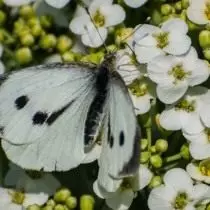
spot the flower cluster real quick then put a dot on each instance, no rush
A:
(162, 54)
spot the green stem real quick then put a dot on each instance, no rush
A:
(149, 137)
(173, 158)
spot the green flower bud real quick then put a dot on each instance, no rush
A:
(33, 21)
(183, 15)
(178, 6)
(60, 207)
(48, 208)
(156, 17)
(161, 145)
(122, 35)
(144, 144)
(3, 17)
(36, 30)
(87, 202)
(204, 39)
(26, 11)
(153, 149)
(166, 9)
(155, 182)
(51, 202)
(48, 41)
(185, 153)
(46, 21)
(27, 39)
(2, 35)
(61, 195)
(185, 4)
(206, 53)
(144, 157)
(111, 48)
(17, 197)
(23, 55)
(34, 207)
(68, 56)
(156, 161)
(71, 202)
(64, 43)
(208, 207)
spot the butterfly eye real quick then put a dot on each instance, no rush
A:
(21, 101)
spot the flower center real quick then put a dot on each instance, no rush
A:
(188, 106)
(181, 200)
(17, 197)
(162, 39)
(207, 10)
(204, 167)
(138, 89)
(98, 19)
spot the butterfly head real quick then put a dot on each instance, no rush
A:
(109, 61)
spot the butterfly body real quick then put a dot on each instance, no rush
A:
(50, 115)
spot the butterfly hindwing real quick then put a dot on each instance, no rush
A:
(43, 115)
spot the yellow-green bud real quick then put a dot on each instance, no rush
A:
(33, 21)
(26, 11)
(46, 21)
(144, 144)
(122, 35)
(71, 202)
(208, 207)
(61, 195)
(155, 182)
(34, 207)
(3, 17)
(48, 208)
(206, 53)
(36, 30)
(87, 202)
(144, 157)
(51, 202)
(153, 149)
(183, 15)
(64, 43)
(166, 9)
(156, 161)
(185, 4)
(68, 56)
(204, 39)
(27, 39)
(23, 55)
(185, 153)
(161, 145)
(48, 41)
(60, 207)
(178, 6)
(2, 35)
(156, 17)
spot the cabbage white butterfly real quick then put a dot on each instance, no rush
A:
(51, 114)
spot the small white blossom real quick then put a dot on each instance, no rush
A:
(185, 114)
(15, 200)
(151, 41)
(57, 3)
(174, 74)
(198, 173)
(94, 29)
(199, 11)
(42, 182)
(135, 3)
(177, 192)
(123, 197)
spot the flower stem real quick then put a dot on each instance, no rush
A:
(149, 137)
(173, 158)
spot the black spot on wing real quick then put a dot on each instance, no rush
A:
(111, 141)
(39, 118)
(133, 164)
(55, 115)
(21, 101)
(2, 130)
(96, 108)
(121, 138)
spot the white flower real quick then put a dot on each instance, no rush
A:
(135, 3)
(151, 41)
(174, 74)
(199, 11)
(185, 114)
(15, 200)
(41, 182)
(199, 144)
(123, 197)
(57, 3)
(199, 173)
(16, 3)
(94, 29)
(178, 192)
(142, 92)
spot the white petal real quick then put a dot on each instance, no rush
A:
(135, 3)
(5, 198)
(161, 198)
(170, 119)
(200, 73)
(142, 179)
(146, 54)
(93, 155)
(201, 192)
(15, 3)
(175, 24)
(114, 14)
(96, 4)
(147, 41)
(190, 206)
(199, 151)
(93, 39)
(57, 3)
(205, 114)
(178, 43)
(39, 199)
(121, 200)
(100, 191)
(179, 179)
(198, 138)
(171, 94)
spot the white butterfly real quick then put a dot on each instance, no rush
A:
(51, 115)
